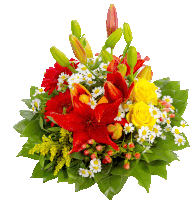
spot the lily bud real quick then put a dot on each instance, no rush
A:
(78, 49)
(75, 28)
(106, 56)
(61, 58)
(113, 38)
(88, 50)
(112, 20)
(145, 73)
(132, 56)
(122, 68)
(116, 130)
(127, 33)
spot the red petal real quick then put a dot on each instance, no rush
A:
(70, 122)
(100, 134)
(138, 65)
(122, 122)
(106, 113)
(79, 138)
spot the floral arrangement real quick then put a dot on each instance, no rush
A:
(101, 120)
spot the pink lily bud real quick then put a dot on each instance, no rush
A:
(166, 109)
(112, 20)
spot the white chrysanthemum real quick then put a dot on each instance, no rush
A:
(176, 132)
(90, 82)
(81, 68)
(168, 99)
(163, 136)
(167, 128)
(151, 137)
(83, 172)
(95, 162)
(103, 66)
(39, 91)
(158, 92)
(95, 169)
(91, 173)
(157, 130)
(128, 128)
(35, 105)
(74, 78)
(63, 77)
(168, 122)
(183, 123)
(126, 105)
(180, 140)
(120, 114)
(97, 91)
(163, 116)
(146, 148)
(140, 140)
(144, 132)
(92, 103)
(155, 112)
(88, 75)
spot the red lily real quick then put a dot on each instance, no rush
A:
(86, 123)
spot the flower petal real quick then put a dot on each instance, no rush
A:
(100, 134)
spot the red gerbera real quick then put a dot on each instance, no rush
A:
(59, 104)
(86, 123)
(50, 79)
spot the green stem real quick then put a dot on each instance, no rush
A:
(90, 71)
(125, 52)
(96, 60)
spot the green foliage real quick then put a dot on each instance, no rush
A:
(21, 125)
(27, 114)
(112, 185)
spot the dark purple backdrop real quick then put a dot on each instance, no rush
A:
(28, 30)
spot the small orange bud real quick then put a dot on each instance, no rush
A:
(131, 145)
(126, 166)
(128, 155)
(137, 155)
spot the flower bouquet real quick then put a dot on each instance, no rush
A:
(103, 119)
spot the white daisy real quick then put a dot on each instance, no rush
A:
(144, 132)
(140, 140)
(83, 172)
(126, 105)
(81, 68)
(35, 105)
(167, 128)
(180, 140)
(128, 128)
(91, 173)
(39, 91)
(183, 123)
(163, 116)
(74, 78)
(95, 162)
(92, 103)
(90, 82)
(120, 114)
(63, 76)
(176, 132)
(103, 66)
(155, 112)
(158, 92)
(95, 169)
(163, 136)
(168, 99)
(157, 130)
(97, 91)
(88, 75)
(168, 122)
(151, 137)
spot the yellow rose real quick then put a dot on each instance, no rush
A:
(140, 116)
(145, 91)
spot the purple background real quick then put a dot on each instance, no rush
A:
(28, 30)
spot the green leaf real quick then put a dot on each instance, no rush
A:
(162, 154)
(145, 157)
(158, 167)
(49, 165)
(82, 183)
(78, 155)
(104, 172)
(169, 143)
(33, 128)
(47, 176)
(42, 160)
(112, 185)
(32, 91)
(142, 174)
(27, 114)
(54, 129)
(161, 83)
(21, 125)
(62, 175)
(37, 172)
(118, 169)
(28, 102)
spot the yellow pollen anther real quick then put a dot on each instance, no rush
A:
(154, 112)
(95, 162)
(83, 171)
(96, 91)
(41, 90)
(36, 104)
(83, 68)
(180, 140)
(155, 130)
(142, 140)
(89, 75)
(167, 100)
(144, 132)
(177, 131)
(95, 168)
(128, 128)
(105, 67)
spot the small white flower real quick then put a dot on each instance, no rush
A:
(103, 66)
(95, 162)
(88, 75)
(81, 68)
(151, 137)
(39, 91)
(163, 136)
(90, 82)
(95, 169)
(63, 77)
(168, 122)
(144, 132)
(176, 132)
(167, 128)
(163, 116)
(180, 140)
(155, 112)
(97, 91)
(168, 99)
(35, 105)
(128, 128)
(126, 105)
(83, 172)
(92, 103)
(140, 140)
(183, 123)
(158, 92)
(74, 78)
(157, 130)
(91, 173)
(120, 114)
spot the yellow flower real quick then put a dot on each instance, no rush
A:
(140, 116)
(145, 91)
